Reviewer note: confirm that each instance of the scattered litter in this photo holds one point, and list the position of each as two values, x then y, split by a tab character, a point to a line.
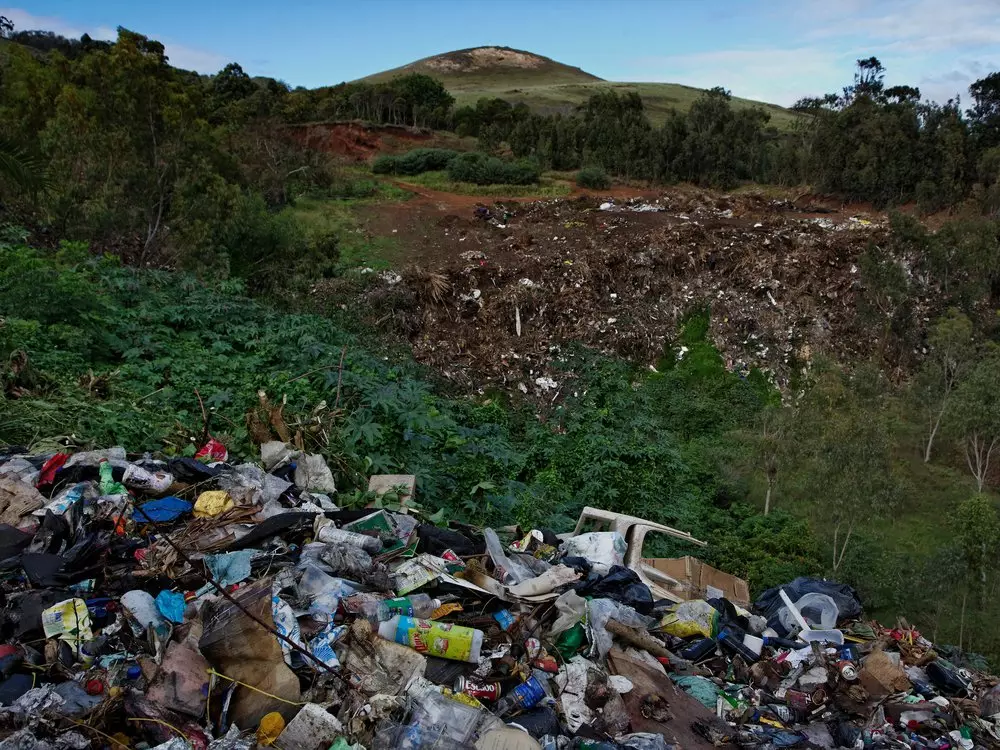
213	622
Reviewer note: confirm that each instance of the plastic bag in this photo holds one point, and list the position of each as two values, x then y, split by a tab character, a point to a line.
819	610
347	560
622	585
509	570
230	567
645	740
696	617
599	611
553	578
435	714
312	474
602	548
571	608
769	603
700	688
323	591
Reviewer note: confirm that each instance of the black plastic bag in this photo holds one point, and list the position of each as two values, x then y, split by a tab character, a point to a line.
620	584
435	540
770	603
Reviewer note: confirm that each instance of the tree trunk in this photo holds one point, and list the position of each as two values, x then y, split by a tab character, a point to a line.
839	559
767	497
961	622
934	428
978	455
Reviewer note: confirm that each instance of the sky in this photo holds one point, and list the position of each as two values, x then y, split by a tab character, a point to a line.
770	50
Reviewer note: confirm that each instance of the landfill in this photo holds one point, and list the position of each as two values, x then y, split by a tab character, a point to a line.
198	602
497	294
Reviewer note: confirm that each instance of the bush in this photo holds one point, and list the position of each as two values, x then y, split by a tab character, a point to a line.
481	169
417	161
594	178
384	164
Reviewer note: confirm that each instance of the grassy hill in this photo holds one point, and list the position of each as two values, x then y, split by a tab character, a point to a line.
548	86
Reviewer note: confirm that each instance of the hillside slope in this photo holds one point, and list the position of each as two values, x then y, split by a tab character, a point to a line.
548	86
482	68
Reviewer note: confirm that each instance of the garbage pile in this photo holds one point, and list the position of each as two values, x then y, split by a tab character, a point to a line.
510	292
196	602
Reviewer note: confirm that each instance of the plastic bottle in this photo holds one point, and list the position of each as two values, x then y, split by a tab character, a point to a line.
414	605
698	650
330	534
434	638
369	606
733	644
528	694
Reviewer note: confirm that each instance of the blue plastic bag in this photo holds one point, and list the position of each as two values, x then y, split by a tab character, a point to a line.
162	510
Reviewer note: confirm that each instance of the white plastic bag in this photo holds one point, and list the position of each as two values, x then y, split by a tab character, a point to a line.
509	570
599	611
602	548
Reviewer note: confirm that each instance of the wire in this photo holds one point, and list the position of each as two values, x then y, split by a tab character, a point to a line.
95	730
256	690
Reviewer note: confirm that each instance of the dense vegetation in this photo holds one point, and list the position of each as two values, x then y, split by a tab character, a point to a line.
885	481
474	167
111	355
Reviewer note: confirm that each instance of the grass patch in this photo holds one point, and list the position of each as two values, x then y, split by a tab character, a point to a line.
658	98
548	187
356	246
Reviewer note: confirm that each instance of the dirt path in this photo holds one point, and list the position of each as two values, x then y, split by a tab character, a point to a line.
452	201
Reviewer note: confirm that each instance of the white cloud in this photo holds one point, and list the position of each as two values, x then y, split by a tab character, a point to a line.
25	21
939	46
905	25
779	76
181	56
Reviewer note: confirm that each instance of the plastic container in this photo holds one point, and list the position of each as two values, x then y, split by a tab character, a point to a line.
414	605
753	643
700	649
733	644
822	636
434	638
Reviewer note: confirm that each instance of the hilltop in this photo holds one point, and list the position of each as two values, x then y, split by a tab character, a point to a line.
548	86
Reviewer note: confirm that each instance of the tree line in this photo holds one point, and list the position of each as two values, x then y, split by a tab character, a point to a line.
142	154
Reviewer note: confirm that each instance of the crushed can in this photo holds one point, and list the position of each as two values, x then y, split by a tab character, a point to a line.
489	691
847	670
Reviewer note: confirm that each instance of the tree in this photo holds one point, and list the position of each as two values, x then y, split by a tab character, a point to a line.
232	84
950	342
977	412
766	446
868	80
843	440
6	27
25	171
985	111
978	529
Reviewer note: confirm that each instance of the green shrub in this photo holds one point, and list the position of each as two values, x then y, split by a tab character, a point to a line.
417	161
481	169
384	164
593	178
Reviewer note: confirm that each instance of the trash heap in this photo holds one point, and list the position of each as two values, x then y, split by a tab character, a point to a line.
198	602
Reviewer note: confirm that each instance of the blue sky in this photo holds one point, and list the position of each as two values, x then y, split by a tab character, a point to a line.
771	50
